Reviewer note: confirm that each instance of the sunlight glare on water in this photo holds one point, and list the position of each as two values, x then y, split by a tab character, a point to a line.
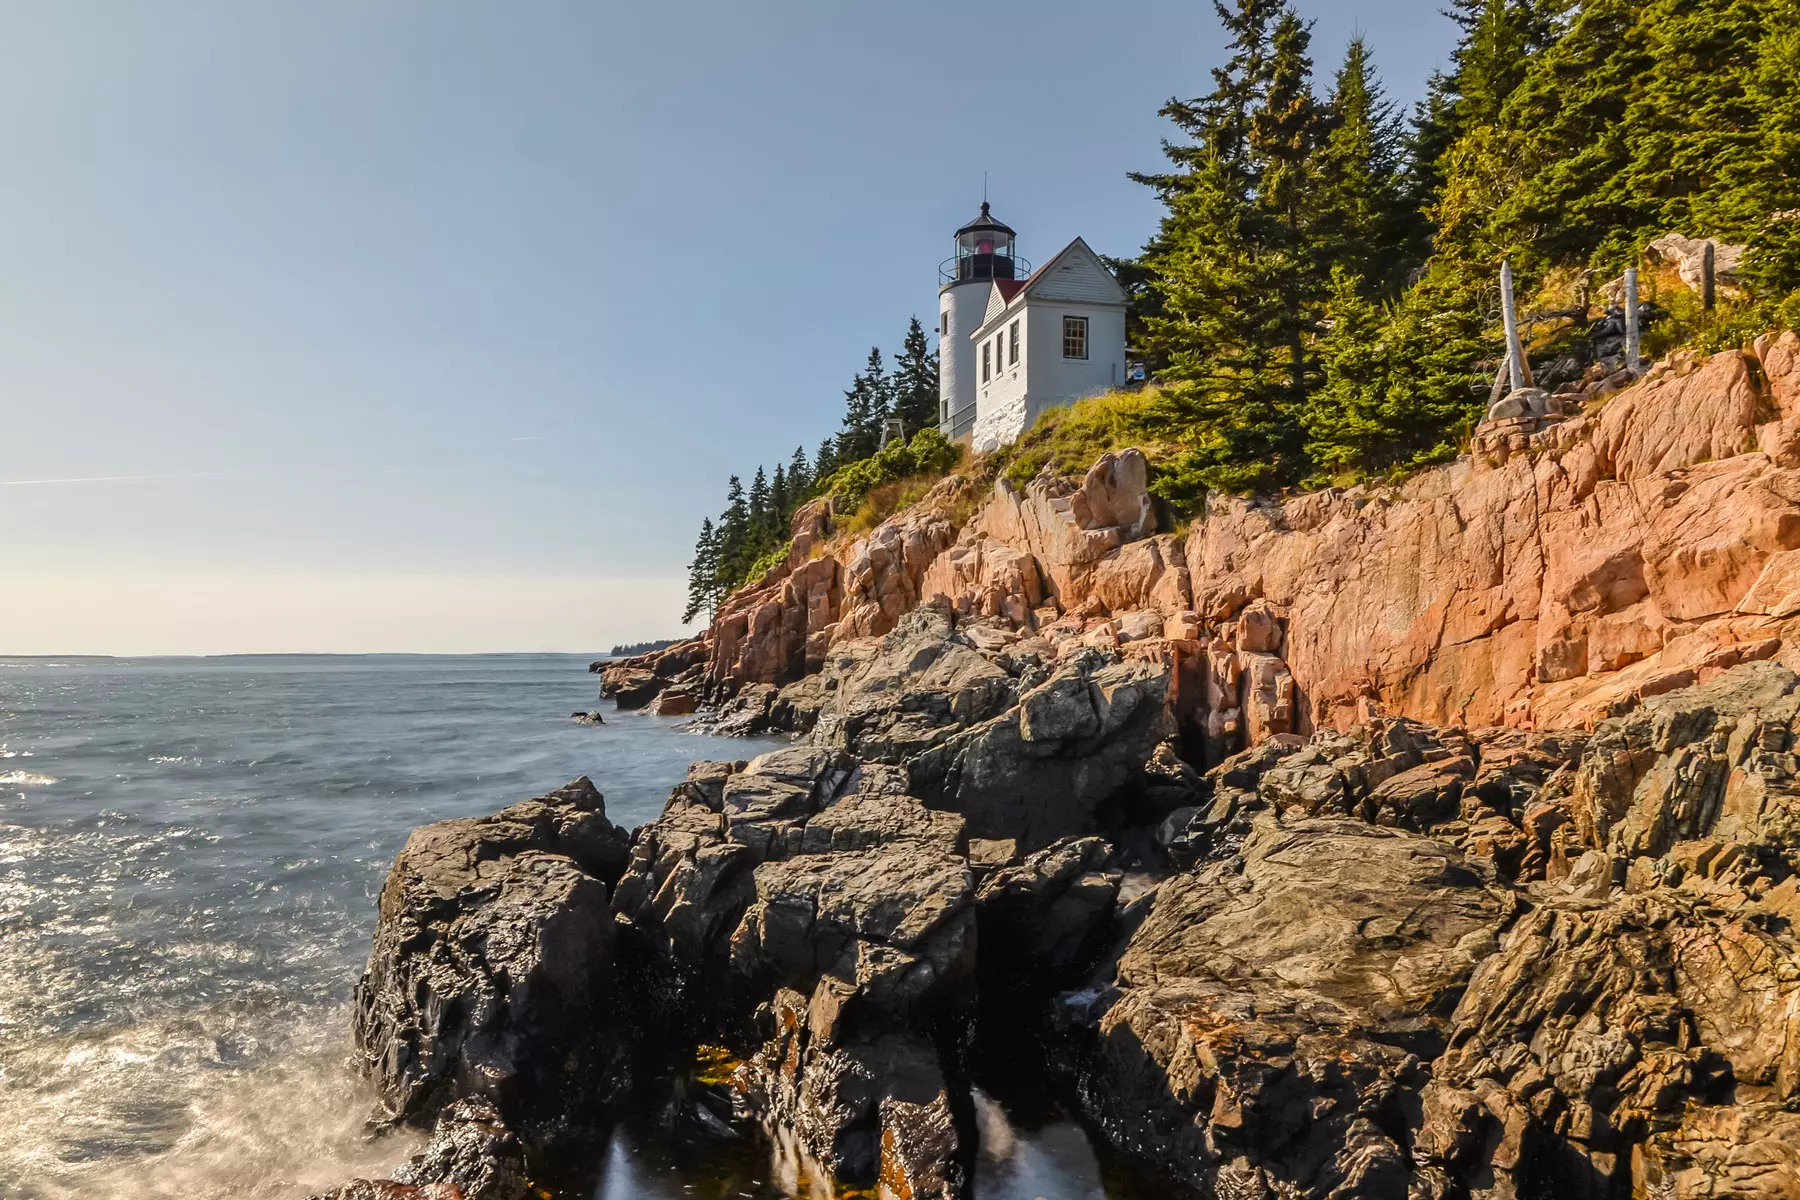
189	856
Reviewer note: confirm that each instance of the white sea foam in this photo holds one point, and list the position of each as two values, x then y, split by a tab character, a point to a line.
24	779
90	1116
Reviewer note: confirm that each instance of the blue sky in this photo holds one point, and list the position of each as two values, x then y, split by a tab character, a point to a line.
439	325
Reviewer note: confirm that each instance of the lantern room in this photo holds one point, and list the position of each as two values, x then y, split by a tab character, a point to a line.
984	250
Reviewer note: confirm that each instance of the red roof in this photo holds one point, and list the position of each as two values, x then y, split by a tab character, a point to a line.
1009	288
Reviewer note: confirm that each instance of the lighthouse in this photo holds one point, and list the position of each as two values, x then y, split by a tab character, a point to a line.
1014	343
984	255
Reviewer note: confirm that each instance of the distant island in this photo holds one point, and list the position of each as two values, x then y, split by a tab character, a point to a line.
631	649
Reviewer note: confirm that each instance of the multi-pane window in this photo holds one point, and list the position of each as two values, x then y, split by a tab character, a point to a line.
1074	337
1013	337
986	365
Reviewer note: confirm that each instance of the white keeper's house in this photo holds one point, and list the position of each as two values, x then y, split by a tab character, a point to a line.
1013	342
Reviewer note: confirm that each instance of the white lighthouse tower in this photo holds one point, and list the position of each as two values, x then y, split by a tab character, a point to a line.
984	253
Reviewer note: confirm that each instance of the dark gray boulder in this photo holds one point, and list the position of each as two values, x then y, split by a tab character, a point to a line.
860	1108
491	971
1269	1020
1045	768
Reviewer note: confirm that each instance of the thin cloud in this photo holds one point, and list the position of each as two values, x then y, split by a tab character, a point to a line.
525	439
110	479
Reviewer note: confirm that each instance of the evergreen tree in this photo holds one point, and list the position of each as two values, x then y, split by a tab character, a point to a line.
853	432
1365	220
735	553
799	477
1235	269
915	381
826	461
703	575
759	508
780	503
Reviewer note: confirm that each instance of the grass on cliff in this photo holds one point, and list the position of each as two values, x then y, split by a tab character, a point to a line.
1069	440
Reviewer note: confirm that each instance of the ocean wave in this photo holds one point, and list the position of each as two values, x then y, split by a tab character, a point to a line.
24	779
197	1107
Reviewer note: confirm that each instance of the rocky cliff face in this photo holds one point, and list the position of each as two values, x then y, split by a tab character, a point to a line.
1437	842
1560	573
1396	960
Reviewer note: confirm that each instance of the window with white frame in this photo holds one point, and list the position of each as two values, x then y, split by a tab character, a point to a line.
986	367
1075	337
1012	335
944	323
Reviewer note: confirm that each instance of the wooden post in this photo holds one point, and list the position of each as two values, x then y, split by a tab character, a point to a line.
1631	320
1498	391
1706	277
1516	366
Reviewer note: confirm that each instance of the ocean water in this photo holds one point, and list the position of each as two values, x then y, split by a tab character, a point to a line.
190	851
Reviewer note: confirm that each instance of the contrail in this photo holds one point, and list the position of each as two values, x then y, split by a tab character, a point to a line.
110	479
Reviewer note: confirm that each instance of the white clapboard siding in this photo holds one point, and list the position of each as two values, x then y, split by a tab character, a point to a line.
1077	274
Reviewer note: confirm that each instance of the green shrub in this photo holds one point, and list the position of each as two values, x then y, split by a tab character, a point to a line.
928	453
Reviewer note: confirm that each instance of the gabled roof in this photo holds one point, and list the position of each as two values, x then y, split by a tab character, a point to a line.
1009	294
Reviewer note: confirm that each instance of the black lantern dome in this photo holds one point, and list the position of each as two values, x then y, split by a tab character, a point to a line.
984	250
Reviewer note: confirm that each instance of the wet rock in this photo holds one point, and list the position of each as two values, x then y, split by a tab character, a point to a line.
471	1150
491	968
895	927
869	1109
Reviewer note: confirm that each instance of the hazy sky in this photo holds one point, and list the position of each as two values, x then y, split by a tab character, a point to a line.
439	325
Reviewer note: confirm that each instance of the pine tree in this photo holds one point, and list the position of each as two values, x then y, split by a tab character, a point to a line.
799	477
759	510
915	381
825	463
780	503
1364	218
703	575
735	553
1235	271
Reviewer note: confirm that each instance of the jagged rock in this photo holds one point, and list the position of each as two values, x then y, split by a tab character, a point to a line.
884	575
1042	770
1712	762
870	1109
893	699
687	885
1273	1013
674	702
630	687
1042	918
1749	1151
868	819
472	1155
894	927
1602	1022
982	577
746	714
797	706
492	959
1068	528
1147	574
